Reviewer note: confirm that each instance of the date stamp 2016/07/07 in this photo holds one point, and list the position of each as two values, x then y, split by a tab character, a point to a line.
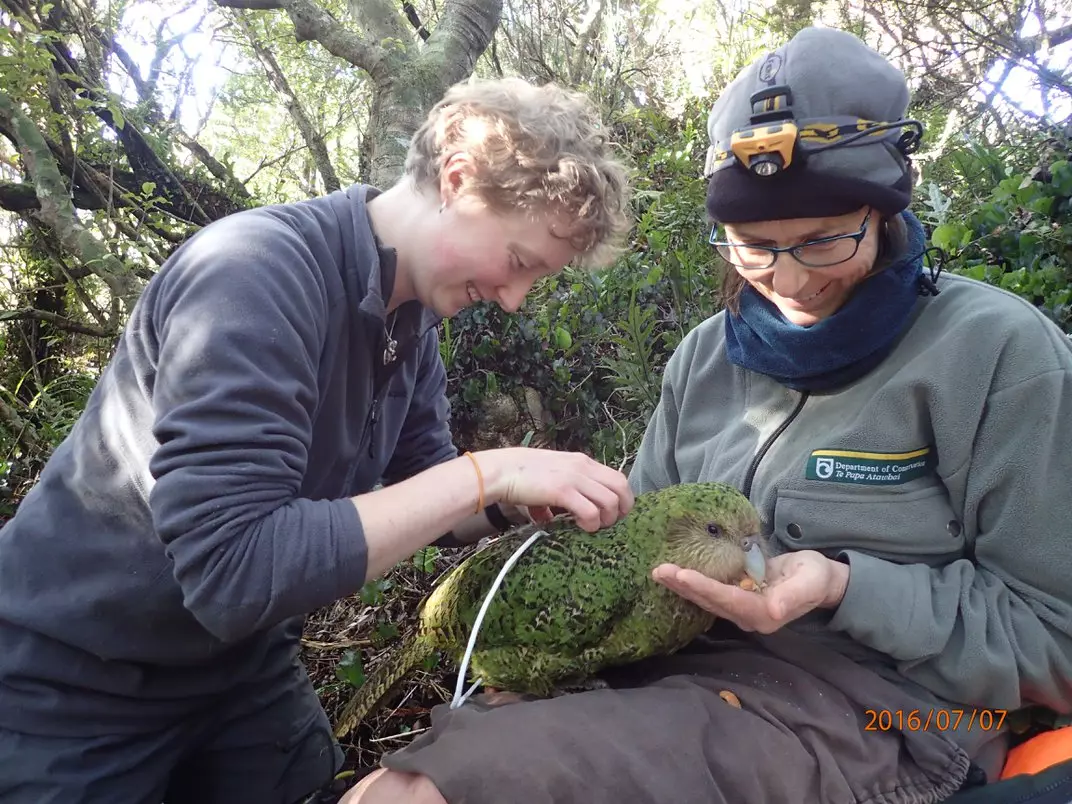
934	719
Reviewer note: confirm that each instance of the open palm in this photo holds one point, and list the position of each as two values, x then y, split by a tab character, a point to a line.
797	583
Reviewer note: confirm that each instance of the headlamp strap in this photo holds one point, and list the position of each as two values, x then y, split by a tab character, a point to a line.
774	138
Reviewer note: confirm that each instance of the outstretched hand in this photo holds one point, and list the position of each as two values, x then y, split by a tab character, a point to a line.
797	583
539	479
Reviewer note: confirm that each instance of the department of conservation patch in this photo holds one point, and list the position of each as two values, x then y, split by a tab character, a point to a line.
870	468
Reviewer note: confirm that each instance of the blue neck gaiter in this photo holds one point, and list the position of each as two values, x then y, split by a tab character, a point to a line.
838	349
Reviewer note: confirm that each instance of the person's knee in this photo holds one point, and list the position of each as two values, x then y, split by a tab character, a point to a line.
391	787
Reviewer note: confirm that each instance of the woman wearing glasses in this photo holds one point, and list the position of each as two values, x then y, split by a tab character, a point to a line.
907	440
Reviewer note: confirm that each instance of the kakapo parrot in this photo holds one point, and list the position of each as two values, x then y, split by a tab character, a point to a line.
577	602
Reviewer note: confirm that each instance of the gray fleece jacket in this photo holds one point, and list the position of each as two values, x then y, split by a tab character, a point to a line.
942	478
199	506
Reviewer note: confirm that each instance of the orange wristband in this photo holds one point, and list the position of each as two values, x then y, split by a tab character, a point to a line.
479	477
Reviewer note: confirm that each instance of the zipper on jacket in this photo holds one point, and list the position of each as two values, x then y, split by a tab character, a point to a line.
372	428
379	394
381	377
751	475
372	419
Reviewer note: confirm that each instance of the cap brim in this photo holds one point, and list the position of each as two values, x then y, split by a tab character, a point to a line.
736	196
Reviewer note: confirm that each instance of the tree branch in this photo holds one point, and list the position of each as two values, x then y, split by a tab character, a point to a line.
211	163
56	207
415	20
252	5
495	58
380	21
58	321
20	198
309	131
146	88
1023	46
141	86
311	22
463	34
267	163
580	52
16	197
140	155
25	433
72	274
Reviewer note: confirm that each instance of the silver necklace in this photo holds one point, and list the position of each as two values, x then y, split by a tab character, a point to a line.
391	350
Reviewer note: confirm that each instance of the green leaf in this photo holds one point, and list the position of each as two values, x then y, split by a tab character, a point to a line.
386	631
1043	204
562	338
1061	171
117	114
371	593
351	669
425	559
148	187
951	237
1029	243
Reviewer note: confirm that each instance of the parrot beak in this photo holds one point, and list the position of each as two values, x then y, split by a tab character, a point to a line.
755	563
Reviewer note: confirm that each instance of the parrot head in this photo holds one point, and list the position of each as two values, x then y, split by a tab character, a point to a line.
714	529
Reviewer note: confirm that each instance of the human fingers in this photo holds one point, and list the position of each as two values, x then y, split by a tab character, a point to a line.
614	480
584	512
576	467
795	589
539	513
746	609
593	504
606	499
801	583
543	477
669	576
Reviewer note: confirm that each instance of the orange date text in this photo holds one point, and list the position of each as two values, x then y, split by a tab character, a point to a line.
934	719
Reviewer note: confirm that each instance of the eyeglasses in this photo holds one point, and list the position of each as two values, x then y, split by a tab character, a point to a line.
820	253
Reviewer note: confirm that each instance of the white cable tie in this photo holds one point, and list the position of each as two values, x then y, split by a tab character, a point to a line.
460	699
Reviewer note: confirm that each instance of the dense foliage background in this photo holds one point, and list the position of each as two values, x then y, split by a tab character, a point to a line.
127	125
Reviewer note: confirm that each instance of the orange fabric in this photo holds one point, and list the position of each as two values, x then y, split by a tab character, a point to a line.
1039	753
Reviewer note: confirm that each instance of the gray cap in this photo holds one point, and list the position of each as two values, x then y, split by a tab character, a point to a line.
834	80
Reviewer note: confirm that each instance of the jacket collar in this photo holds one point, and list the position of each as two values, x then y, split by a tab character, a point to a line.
375	264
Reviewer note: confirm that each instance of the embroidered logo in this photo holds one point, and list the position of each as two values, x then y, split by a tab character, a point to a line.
870	468
768	70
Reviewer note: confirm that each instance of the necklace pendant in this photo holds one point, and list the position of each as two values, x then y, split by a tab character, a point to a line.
390	351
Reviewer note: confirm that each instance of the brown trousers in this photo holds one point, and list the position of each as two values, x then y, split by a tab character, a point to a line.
813	727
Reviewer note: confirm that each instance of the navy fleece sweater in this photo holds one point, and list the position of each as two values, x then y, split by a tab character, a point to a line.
201	499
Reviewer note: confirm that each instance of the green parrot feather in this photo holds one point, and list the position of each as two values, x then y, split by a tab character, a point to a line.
577	602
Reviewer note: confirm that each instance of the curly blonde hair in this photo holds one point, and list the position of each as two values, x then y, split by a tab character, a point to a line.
535	149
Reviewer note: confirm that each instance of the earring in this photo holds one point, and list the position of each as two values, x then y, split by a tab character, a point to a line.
442	207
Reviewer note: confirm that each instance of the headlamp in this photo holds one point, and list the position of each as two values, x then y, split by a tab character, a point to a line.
774	139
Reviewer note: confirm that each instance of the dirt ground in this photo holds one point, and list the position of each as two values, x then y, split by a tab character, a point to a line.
374	627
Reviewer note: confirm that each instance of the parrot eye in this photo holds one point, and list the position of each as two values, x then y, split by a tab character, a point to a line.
714	528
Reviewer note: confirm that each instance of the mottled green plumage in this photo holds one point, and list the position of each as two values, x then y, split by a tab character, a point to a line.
577	602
